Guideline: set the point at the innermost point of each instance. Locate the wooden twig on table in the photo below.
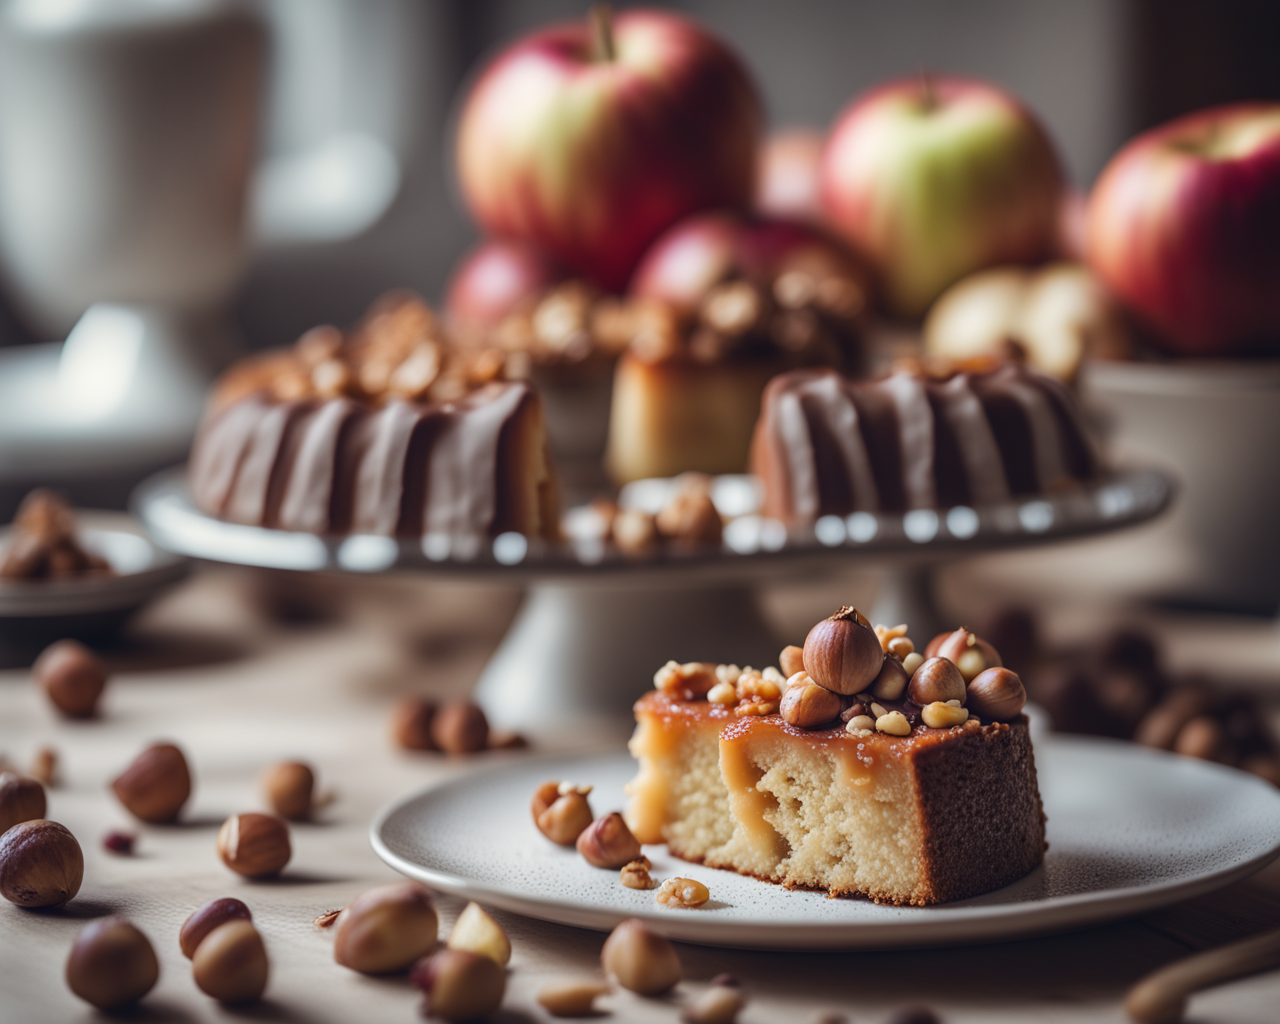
(1161, 997)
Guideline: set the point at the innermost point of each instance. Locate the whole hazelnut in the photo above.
(843, 653)
(809, 706)
(892, 681)
(608, 843)
(459, 985)
(288, 788)
(477, 932)
(641, 960)
(254, 845)
(41, 864)
(72, 677)
(1162, 724)
(111, 964)
(156, 785)
(21, 799)
(937, 679)
(411, 724)
(1201, 737)
(386, 929)
(230, 965)
(460, 728)
(561, 811)
(791, 660)
(996, 694)
(206, 918)
(968, 652)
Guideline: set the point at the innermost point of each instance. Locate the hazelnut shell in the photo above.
(41, 864)
(937, 679)
(843, 653)
(206, 918)
(112, 964)
(608, 842)
(231, 965)
(996, 694)
(640, 959)
(72, 677)
(254, 845)
(288, 788)
(809, 705)
(460, 727)
(21, 799)
(459, 985)
(411, 724)
(387, 929)
(156, 785)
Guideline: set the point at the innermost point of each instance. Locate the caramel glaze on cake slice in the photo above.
(940, 815)
(387, 431)
(923, 437)
(854, 775)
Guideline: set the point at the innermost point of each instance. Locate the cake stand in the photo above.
(596, 622)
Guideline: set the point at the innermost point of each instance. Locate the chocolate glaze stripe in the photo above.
(915, 435)
(963, 413)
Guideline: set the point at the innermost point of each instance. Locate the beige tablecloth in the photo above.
(239, 689)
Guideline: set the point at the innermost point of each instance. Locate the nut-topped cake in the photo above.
(391, 429)
(860, 767)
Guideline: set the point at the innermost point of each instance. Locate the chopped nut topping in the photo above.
(912, 662)
(756, 706)
(728, 673)
(682, 892)
(635, 874)
(887, 634)
(943, 716)
(798, 679)
(861, 725)
(774, 676)
(901, 646)
(894, 723)
(879, 710)
(753, 685)
(723, 693)
(691, 680)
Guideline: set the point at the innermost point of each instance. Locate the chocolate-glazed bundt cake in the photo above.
(916, 439)
(389, 430)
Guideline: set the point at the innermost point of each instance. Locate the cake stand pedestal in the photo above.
(596, 624)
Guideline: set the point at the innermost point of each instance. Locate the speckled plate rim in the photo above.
(952, 924)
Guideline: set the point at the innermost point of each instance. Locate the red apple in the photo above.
(1184, 225)
(789, 173)
(591, 138)
(934, 178)
(700, 252)
(496, 277)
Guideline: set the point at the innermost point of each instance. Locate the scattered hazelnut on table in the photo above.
(21, 799)
(387, 929)
(120, 843)
(809, 705)
(640, 959)
(41, 864)
(842, 653)
(1201, 737)
(720, 1004)
(72, 677)
(112, 964)
(288, 788)
(206, 918)
(914, 1014)
(572, 998)
(937, 679)
(459, 985)
(254, 845)
(561, 811)
(411, 724)
(476, 931)
(996, 694)
(230, 964)
(682, 893)
(460, 727)
(44, 766)
(608, 842)
(635, 874)
(156, 785)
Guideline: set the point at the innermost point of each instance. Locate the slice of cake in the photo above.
(924, 437)
(389, 430)
(869, 770)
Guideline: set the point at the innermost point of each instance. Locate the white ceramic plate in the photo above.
(1130, 829)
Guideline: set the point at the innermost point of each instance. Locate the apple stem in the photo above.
(926, 87)
(602, 33)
